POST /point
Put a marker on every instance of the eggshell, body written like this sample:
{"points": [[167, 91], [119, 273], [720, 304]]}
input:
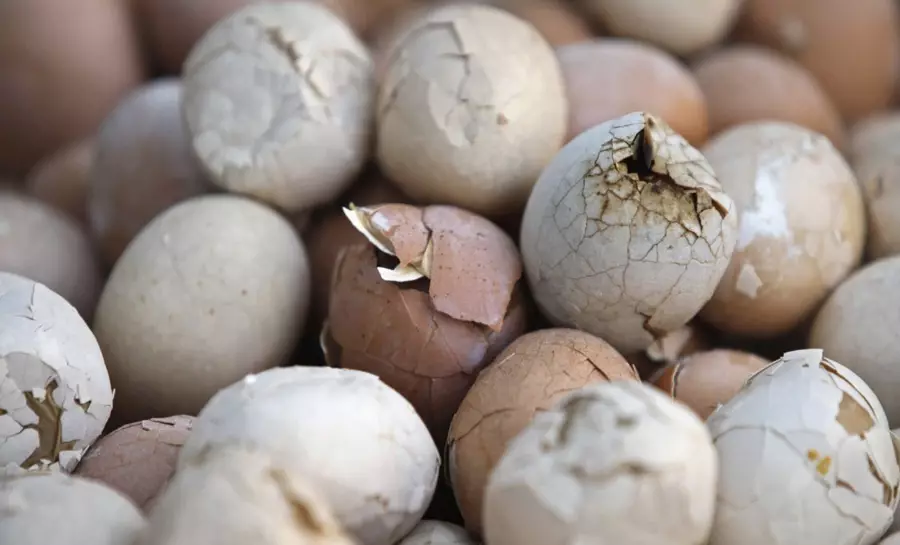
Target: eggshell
{"points": [[802, 226], [530, 376], [47, 246], [893, 539], [601, 86], [459, 121], [62, 179], [435, 532], [357, 441], [39, 509], [852, 48], [875, 157], [808, 421], [278, 99], [610, 463], [239, 496], [556, 20], [143, 165], [139, 458], [55, 396], [65, 65], [705, 380], [212, 289], [747, 83], [668, 349], [627, 232]]}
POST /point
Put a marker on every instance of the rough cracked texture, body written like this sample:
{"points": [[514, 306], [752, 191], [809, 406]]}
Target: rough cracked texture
{"points": [[434, 532], [55, 395], [359, 442], [808, 421], [238, 496], [627, 233], [459, 118], [610, 463], [279, 101], [530, 376], [139, 458], [802, 226]]}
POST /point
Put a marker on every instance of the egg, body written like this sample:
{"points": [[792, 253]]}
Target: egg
{"points": [[556, 20], [670, 348], [530, 376], [616, 462], [806, 457], [747, 83], [458, 120], [802, 226], [893, 539], [62, 179], [435, 532], [627, 232]]}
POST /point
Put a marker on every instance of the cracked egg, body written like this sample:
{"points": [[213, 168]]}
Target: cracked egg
{"points": [[279, 100], [616, 462], [627, 232], [427, 305], [670, 348], [55, 394], [436, 532], [530, 376], [810, 422]]}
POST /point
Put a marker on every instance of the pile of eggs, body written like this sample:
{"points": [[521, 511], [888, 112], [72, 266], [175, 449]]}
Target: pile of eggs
{"points": [[445, 272]]}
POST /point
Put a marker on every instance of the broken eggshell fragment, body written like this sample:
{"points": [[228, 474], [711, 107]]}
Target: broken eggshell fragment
{"points": [[811, 422]]}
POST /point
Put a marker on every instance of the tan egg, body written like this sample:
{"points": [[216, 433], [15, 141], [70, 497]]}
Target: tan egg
{"points": [[459, 119], [802, 226], [65, 66], [601, 86], [875, 158], [62, 179], [530, 376], [557, 20], [746, 83], [668, 349], [705, 380], [852, 48]]}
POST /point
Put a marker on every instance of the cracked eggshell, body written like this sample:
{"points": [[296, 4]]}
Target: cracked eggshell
{"points": [[143, 165], [600, 86], [359, 442], [139, 458], [460, 120], [55, 395], [44, 244], [618, 462], [670, 348], [435, 532], [237, 496], [802, 226], [705, 380], [681, 27], [811, 422], [213, 288], [627, 232], [530, 376], [62, 179], [42, 509], [279, 100]]}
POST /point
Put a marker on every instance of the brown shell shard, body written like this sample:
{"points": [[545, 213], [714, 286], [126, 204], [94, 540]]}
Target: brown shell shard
{"points": [[401, 225]]}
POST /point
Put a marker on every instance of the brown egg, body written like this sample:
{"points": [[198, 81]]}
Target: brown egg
{"points": [[427, 326], [744, 83], [65, 66], [62, 179], [668, 349], [556, 20], [531, 375], [601, 84], [851, 47], [139, 458], [705, 380]]}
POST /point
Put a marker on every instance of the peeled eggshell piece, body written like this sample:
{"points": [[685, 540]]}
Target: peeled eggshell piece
{"points": [[530, 376], [238, 496], [435, 532], [62, 179], [143, 165], [213, 288], [627, 232], [354, 439], [615, 462], [600, 84], [43, 509], [278, 99], [802, 226], [811, 422], [459, 121], [55, 395], [139, 458]]}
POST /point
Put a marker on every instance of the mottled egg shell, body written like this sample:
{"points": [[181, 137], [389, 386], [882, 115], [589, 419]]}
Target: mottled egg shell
{"points": [[436, 532]]}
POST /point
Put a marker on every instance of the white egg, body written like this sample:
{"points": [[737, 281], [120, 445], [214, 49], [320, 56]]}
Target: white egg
{"points": [[806, 458]]}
